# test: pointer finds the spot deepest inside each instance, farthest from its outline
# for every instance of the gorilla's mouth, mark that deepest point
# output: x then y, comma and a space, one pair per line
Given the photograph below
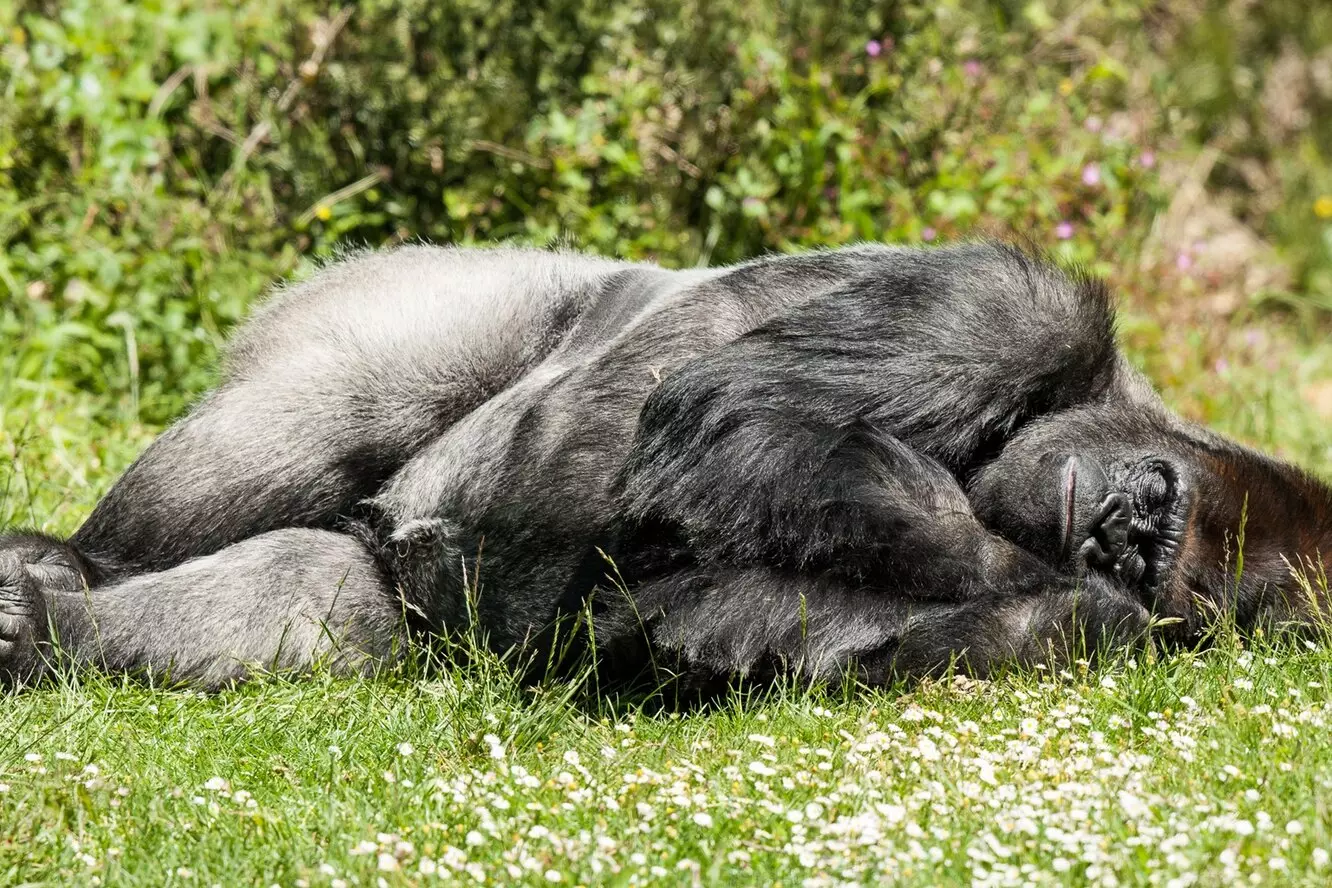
1136, 532
1152, 547
1159, 521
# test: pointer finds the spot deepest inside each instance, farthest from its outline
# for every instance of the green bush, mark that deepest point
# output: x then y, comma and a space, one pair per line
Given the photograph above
161, 160
1255, 79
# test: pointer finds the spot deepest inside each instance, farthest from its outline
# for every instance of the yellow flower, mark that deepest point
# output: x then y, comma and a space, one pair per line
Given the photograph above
1323, 207
1066, 87
322, 212
18, 36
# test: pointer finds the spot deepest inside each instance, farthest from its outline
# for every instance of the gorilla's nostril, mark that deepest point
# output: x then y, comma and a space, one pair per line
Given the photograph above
1112, 526
1107, 536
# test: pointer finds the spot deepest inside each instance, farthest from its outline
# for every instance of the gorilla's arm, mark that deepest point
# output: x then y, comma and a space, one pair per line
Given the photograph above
755, 621
805, 496
832, 437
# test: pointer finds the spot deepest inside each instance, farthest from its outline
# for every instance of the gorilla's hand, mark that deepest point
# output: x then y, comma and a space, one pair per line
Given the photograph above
32, 567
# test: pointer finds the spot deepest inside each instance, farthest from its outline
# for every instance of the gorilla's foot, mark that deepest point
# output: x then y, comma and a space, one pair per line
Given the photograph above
32, 566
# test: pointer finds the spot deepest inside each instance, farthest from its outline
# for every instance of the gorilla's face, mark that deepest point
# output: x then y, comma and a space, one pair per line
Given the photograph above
1124, 517
1163, 511
1066, 493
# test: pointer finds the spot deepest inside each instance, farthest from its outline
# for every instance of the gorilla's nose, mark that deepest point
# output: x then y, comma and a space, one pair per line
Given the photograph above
1108, 535
1096, 519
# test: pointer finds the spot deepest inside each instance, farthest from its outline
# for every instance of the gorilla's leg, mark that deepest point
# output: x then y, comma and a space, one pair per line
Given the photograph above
278, 601
329, 389
254, 457
721, 621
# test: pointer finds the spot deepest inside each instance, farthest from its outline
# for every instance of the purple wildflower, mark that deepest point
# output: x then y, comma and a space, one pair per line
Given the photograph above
1091, 174
1147, 159
873, 49
928, 233
1064, 230
973, 68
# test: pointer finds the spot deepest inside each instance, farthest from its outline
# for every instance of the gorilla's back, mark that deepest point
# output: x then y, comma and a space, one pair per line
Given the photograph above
433, 329
532, 465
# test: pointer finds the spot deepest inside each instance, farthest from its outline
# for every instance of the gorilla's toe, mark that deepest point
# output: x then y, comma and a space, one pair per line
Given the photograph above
23, 631
31, 565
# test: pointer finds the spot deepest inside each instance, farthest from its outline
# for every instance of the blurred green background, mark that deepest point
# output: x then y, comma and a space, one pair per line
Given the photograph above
162, 161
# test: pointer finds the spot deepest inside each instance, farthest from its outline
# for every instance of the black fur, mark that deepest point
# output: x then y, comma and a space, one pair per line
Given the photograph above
879, 459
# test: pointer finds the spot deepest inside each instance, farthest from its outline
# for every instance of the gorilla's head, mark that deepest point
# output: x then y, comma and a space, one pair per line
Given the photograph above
1196, 525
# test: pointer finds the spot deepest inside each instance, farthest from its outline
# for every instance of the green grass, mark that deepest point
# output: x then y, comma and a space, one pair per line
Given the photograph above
1213, 767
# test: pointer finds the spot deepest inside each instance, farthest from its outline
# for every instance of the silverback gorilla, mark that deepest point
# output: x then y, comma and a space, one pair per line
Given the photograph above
877, 459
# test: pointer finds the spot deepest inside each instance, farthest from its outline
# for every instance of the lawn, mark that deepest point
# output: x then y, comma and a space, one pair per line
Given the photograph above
1211, 766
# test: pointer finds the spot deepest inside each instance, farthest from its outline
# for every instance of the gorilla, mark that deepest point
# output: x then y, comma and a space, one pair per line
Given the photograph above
875, 461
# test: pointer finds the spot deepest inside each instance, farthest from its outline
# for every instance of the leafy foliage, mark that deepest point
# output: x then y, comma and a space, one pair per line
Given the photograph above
161, 161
